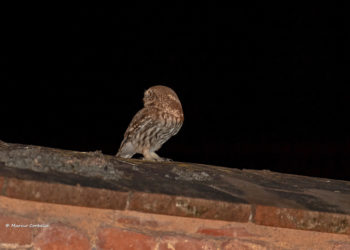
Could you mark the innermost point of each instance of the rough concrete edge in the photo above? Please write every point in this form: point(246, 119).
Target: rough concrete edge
point(301, 219)
point(130, 200)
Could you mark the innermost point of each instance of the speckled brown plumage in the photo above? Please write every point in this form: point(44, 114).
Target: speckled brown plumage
point(160, 119)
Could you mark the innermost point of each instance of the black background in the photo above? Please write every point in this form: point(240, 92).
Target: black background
point(262, 86)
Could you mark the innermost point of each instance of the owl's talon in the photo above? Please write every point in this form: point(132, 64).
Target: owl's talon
point(157, 159)
point(161, 159)
point(167, 159)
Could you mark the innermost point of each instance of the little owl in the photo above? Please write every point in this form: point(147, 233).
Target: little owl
point(152, 126)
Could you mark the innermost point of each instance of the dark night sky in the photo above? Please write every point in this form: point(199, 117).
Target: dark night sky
point(262, 87)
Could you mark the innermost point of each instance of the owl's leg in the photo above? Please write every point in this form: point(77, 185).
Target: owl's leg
point(152, 156)
point(160, 158)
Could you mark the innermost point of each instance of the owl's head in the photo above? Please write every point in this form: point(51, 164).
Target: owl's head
point(159, 96)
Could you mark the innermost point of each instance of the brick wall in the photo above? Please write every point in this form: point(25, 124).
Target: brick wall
point(74, 227)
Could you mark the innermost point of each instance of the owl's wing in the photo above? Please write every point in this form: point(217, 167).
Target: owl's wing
point(142, 121)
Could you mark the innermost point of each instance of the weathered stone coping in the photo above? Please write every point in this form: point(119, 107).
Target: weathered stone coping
point(92, 179)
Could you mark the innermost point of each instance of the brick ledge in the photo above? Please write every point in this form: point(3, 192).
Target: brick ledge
point(178, 189)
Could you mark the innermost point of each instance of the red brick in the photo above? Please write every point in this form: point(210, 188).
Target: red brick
point(302, 219)
point(186, 243)
point(66, 194)
point(113, 238)
point(246, 245)
point(2, 180)
point(9, 233)
point(152, 203)
point(229, 232)
point(134, 221)
point(189, 207)
point(61, 237)
point(341, 246)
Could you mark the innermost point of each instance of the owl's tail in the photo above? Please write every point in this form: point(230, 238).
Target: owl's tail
point(126, 150)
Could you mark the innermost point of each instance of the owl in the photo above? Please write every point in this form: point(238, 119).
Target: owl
point(160, 119)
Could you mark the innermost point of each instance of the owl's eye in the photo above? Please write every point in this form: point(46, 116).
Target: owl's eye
point(149, 94)
point(148, 97)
